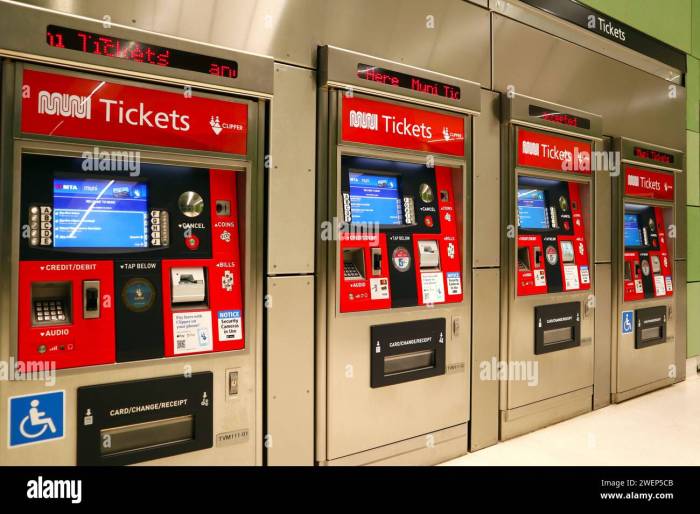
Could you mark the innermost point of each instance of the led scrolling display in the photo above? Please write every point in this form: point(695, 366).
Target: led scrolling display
point(404, 81)
point(138, 51)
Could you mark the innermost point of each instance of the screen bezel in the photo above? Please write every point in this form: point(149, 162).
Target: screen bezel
point(639, 230)
point(102, 249)
point(546, 208)
point(373, 173)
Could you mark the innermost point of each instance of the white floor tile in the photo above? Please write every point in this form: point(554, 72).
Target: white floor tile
point(659, 428)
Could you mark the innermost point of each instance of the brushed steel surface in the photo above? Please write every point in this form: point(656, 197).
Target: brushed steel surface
point(559, 372)
point(446, 36)
point(601, 211)
point(517, 109)
point(632, 102)
point(241, 413)
point(487, 183)
point(635, 369)
point(23, 32)
point(338, 67)
point(291, 175)
point(558, 27)
point(485, 350)
point(603, 336)
point(289, 361)
point(357, 417)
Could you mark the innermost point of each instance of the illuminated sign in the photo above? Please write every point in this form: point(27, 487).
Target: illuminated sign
point(653, 155)
point(404, 81)
point(561, 118)
point(137, 51)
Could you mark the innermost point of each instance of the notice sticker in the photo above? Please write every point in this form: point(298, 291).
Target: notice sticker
point(433, 288)
point(379, 288)
point(585, 277)
point(571, 277)
point(669, 284)
point(454, 283)
point(540, 278)
point(230, 325)
point(192, 332)
point(638, 288)
point(660, 285)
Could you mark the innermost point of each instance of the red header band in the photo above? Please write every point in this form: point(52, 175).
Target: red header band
point(67, 106)
point(648, 184)
point(386, 124)
point(556, 153)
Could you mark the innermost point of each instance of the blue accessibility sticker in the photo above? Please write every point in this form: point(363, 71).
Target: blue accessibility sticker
point(627, 322)
point(36, 418)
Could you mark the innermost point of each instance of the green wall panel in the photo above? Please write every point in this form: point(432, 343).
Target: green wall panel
point(693, 244)
point(692, 85)
point(693, 319)
point(696, 28)
point(668, 20)
point(692, 159)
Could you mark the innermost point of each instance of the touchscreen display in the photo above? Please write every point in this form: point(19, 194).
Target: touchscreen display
point(632, 231)
point(532, 209)
point(100, 213)
point(375, 199)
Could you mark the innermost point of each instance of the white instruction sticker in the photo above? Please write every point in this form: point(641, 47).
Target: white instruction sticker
point(638, 288)
point(669, 284)
point(454, 283)
point(540, 278)
point(230, 325)
point(571, 276)
point(192, 332)
point(379, 288)
point(660, 285)
point(433, 288)
point(585, 277)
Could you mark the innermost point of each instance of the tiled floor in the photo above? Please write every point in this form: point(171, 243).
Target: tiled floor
point(659, 428)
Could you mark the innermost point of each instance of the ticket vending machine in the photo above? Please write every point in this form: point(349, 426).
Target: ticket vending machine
point(644, 224)
point(394, 258)
point(547, 322)
point(130, 222)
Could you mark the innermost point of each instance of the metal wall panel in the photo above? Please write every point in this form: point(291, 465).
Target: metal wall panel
point(601, 214)
point(633, 103)
point(487, 183)
point(291, 174)
point(447, 36)
point(603, 336)
point(290, 371)
point(485, 349)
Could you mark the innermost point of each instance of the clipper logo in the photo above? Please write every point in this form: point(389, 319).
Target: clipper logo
point(365, 120)
point(69, 106)
point(217, 126)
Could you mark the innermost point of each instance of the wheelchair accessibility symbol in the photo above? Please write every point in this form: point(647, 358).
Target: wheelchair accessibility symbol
point(627, 322)
point(36, 418)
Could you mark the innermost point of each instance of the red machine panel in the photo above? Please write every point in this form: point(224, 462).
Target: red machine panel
point(416, 263)
point(552, 253)
point(647, 265)
point(217, 324)
point(123, 260)
point(57, 322)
